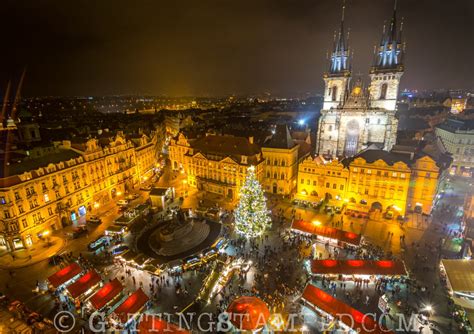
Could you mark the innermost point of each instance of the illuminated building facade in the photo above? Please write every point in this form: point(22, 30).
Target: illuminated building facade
point(457, 137)
point(353, 117)
point(281, 162)
point(374, 181)
point(42, 194)
point(216, 164)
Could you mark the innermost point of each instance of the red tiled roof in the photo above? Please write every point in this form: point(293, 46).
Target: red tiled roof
point(131, 305)
point(87, 281)
point(150, 324)
point(65, 274)
point(317, 298)
point(358, 267)
point(326, 231)
point(105, 294)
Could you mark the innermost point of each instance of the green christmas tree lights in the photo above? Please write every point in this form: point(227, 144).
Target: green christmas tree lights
point(251, 214)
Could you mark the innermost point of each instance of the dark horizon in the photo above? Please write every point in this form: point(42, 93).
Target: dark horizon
point(216, 48)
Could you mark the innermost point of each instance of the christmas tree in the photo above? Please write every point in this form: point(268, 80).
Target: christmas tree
point(251, 214)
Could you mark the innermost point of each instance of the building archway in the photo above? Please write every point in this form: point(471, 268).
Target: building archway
point(376, 206)
point(352, 138)
point(64, 221)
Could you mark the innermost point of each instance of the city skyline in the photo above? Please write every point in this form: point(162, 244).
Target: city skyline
point(215, 49)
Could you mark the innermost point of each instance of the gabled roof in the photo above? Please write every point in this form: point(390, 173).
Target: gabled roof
point(227, 145)
point(281, 138)
point(358, 267)
point(105, 294)
point(84, 283)
point(65, 274)
point(372, 155)
point(132, 305)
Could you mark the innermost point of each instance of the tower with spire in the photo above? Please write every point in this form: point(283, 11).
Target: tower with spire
point(387, 70)
point(337, 78)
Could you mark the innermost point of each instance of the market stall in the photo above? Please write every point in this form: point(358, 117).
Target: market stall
point(150, 324)
point(248, 313)
point(349, 318)
point(358, 267)
point(106, 295)
point(65, 275)
point(85, 285)
point(131, 307)
point(458, 276)
point(326, 234)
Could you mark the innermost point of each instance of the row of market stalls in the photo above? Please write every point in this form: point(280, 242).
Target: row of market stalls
point(88, 289)
point(110, 297)
point(340, 313)
point(358, 268)
point(326, 234)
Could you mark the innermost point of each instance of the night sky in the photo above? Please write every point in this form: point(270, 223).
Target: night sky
point(203, 47)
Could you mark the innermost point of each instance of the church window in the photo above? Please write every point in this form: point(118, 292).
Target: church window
point(378, 121)
point(367, 120)
point(383, 92)
point(334, 93)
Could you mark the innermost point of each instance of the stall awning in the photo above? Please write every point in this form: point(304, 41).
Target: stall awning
point(84, 283)
point(460, 274)
point(105, 294)
point(327, 232)
point(150, 324)
point(358, 267)
point(65, 274)
point(131, 305)
point(320, 300)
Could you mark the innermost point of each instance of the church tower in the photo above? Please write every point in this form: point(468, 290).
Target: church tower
point(388, 67)
point(336, 80)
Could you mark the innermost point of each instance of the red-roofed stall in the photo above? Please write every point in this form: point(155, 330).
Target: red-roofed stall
point(64, 275)
point(358, 267)
point(131, 306)
point(150, 324)
point(323, 302)
point(106, 294)
point(315, 228)
point(86, 282)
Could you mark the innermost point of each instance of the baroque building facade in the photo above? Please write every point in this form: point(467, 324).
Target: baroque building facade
point(353, 117)
point(43, 194)
point(374, 181)
point(216, 164)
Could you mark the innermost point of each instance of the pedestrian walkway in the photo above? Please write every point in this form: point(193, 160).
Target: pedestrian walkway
point(26, 257)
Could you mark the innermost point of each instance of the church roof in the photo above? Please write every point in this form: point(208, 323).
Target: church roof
point(281, 138)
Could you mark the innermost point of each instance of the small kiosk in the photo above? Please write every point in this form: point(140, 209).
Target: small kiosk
point(65, 275)
point(107, 295)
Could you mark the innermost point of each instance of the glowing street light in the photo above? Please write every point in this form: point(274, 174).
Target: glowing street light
point(301, 122)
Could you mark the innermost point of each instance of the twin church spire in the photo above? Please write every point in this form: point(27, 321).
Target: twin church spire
point(385, 72)
point(388, 54)
point(341, 52)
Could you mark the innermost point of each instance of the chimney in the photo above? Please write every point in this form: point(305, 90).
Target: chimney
point(251, 139)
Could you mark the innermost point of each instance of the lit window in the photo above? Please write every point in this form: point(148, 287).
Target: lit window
point(46, 198)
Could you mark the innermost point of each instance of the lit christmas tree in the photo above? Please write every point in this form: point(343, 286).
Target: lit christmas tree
point(251, 214)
